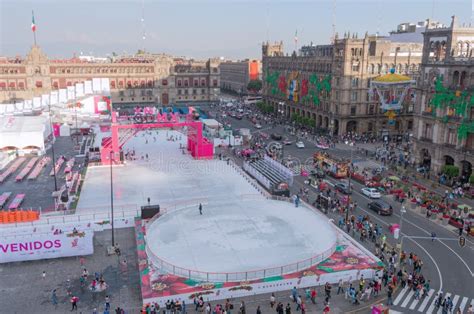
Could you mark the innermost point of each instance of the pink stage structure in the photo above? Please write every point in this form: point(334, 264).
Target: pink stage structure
point(198, 145)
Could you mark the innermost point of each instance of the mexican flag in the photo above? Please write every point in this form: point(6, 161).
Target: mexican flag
point(33, 25)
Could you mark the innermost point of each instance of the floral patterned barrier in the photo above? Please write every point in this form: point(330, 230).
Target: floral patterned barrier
point(347, 263)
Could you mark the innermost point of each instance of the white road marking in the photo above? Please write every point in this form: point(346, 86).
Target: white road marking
point(455, 300)
point(414, 303)
point(440, 311)
point(400, 295)
point(432, 306)
point(463, 304)
point(426, 300)
point(408, 298)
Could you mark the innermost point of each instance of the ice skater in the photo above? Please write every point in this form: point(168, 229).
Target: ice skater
point(200, 209)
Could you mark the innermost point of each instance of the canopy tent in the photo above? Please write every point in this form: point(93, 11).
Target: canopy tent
point(24, 132)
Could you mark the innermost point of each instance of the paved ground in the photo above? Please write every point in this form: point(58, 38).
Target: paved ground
point(38, 191)
point(23, 290)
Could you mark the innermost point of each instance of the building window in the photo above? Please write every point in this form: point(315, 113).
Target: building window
point(354, 95)
point(337, 95)
point(194, 92)
point(179, 92)
point(203, 82)
point(410, 125)
point(186, 83)
point(353, 110)
point(39, 84)
point(186, 91)
point(121, 93)
point(203, 91)
point(427, 131)
point(196, 83)
point(337, 81)
point(355, 82)
point(179, 83)
point(355, 67)
point(214, 83)
point(371, 109)
point(164, 82)
point(451, 137)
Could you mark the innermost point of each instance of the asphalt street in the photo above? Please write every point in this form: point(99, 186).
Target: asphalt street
point(448, 266)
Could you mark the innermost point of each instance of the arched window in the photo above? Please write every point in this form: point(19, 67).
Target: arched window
point(456, 78)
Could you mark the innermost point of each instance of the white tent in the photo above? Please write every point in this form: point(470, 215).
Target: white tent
point(24, 132)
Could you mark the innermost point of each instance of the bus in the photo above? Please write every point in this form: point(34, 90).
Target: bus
point(337, 168)
point(252, 100)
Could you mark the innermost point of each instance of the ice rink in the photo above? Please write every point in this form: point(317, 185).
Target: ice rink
point(168, 177)
point(240, 230)
point(240, 235)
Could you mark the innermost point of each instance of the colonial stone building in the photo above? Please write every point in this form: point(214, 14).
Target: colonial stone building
point(235, 75)
point(330, 83)
point(445, 126)
point(138, 79)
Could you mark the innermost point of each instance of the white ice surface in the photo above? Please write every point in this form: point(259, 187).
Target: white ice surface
point(238, 236)
point(240, 229)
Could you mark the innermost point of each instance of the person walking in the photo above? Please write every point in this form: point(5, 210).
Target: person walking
point(74, 301)
point(272, 300)
point(340, 286)
point(200, 209)
point(259, 311)
point(54, 298)
point(107, 302)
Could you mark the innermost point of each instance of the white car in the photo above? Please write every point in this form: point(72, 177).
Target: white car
point(371, 192)
point(258, 126)
point(300, 144)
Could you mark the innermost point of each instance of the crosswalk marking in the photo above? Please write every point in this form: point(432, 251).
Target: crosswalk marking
point(400, 296)
point(455, 300)
point(432, 306)
point(426, 300)
point(408, 298)
point(463, 304)
point(414, 303)
point(440, 311)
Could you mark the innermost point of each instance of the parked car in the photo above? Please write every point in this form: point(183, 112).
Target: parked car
point(371, 192)
point(287, 142)
point(381, 208)
point(276, 137)
point(258, 126)
point(300, 144)
point(343, 188)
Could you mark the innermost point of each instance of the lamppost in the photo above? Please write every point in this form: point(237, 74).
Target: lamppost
point(112, 197)
point(349, 180)
point(400, 238)
point(52, 148)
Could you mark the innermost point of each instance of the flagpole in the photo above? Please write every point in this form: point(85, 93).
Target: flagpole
point(33, 26)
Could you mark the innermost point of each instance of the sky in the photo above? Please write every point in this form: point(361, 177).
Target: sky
point(233, 29)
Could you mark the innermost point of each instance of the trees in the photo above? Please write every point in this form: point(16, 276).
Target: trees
point(254, 86)
point(264, 107)
point(450, 171)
